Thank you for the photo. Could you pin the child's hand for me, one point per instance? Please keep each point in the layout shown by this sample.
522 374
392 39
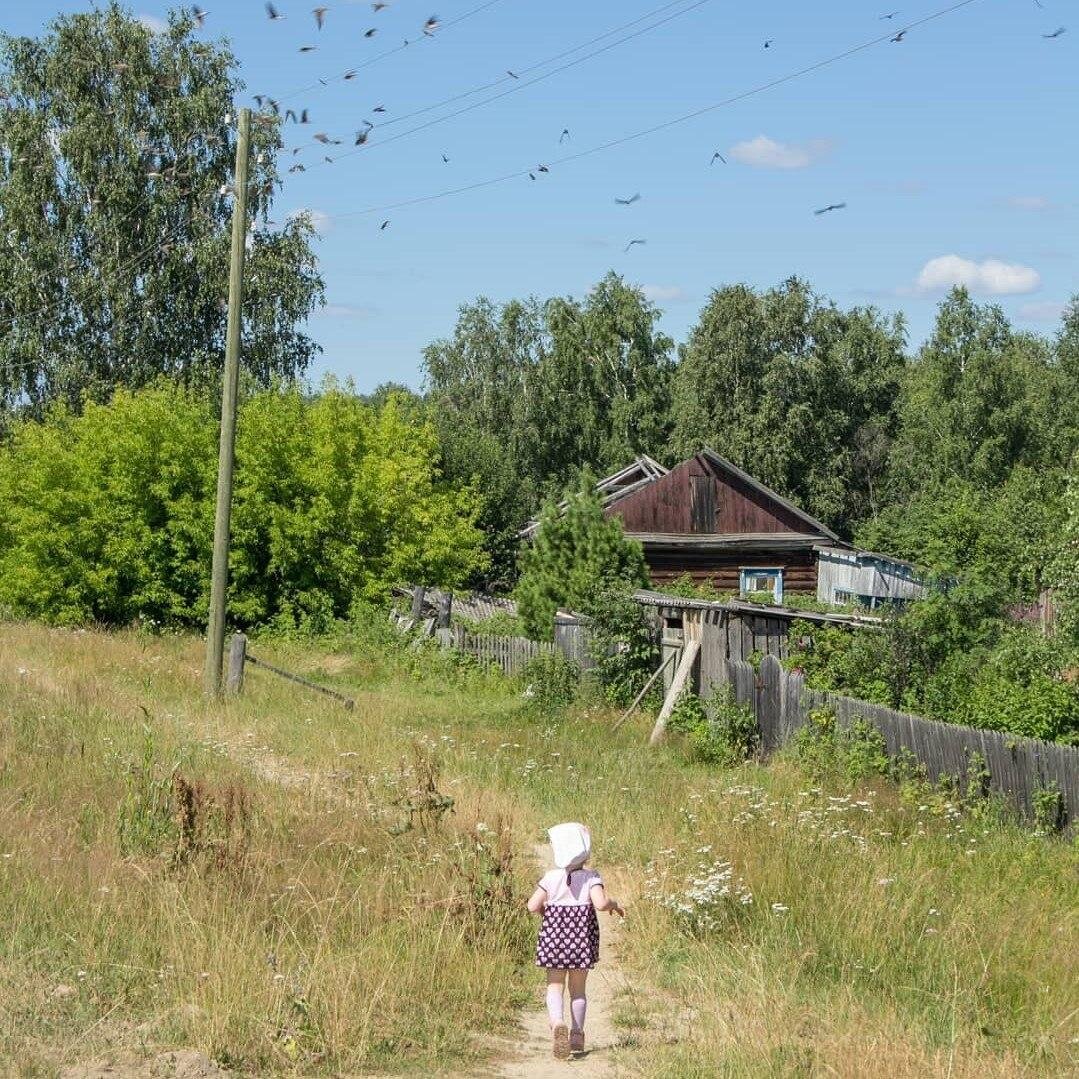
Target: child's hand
616 908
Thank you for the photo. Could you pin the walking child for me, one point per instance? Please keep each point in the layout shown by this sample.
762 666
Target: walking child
568 897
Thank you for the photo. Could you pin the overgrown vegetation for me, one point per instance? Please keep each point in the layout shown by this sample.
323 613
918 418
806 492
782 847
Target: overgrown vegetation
947 658
719 731
107 515
834 917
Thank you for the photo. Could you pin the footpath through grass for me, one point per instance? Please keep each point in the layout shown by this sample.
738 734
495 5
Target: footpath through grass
283 885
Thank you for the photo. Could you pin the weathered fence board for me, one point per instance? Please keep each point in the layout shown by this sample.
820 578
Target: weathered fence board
1018 768
510 654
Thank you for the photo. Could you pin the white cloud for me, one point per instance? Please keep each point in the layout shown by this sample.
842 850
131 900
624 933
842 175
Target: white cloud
1046 311
990 276
765 153
1030 202
662 293
320 220
152 22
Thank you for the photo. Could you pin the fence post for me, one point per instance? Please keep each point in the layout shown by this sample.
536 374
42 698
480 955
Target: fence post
417 601
445 609
234 683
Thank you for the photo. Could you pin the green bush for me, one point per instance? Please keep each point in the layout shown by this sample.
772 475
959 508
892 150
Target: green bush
829 750
623 645
108 515
720 732
552 682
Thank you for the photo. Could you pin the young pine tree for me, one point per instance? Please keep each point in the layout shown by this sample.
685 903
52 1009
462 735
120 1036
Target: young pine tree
575 554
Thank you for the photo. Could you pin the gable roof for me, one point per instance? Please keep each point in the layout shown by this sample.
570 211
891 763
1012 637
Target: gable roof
643 471
760 488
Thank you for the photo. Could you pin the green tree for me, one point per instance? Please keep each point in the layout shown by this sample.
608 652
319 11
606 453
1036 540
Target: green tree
117 152
795 391
980 400
576 554
527 394
107 515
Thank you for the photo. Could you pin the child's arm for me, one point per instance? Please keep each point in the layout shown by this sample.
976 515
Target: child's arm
602 901
538 901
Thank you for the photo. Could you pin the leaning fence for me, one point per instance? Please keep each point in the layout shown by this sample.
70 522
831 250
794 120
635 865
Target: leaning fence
1015 768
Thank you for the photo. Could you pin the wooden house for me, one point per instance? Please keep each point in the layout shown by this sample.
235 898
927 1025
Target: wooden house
708 520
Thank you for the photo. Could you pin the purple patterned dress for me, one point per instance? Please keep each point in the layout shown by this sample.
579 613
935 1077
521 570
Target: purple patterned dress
569 933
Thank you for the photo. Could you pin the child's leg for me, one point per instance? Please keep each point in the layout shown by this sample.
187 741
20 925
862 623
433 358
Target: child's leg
578 1003
556 980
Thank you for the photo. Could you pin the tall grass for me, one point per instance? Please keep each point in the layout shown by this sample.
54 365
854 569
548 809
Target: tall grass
884 936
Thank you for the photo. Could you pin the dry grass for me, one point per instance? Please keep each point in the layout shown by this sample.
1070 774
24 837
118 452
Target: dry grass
303 929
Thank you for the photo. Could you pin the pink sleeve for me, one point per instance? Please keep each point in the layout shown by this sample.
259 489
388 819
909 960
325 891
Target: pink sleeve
596 879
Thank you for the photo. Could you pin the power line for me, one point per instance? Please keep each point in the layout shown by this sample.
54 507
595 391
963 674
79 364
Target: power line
517 87
322 83
531 67
684 118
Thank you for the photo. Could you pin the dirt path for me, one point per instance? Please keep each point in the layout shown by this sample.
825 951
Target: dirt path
532 1058
527 1056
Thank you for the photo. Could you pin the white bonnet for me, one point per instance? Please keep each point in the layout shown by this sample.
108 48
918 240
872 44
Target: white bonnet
571 844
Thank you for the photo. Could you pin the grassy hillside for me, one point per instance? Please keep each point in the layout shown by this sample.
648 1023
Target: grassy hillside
303 899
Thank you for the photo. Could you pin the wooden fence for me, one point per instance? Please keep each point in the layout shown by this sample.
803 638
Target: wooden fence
509 653
1018 767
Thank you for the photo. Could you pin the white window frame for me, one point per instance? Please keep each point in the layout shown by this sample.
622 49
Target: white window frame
745 572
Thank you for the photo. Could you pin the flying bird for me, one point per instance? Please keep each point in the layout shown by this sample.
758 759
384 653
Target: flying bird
272 13
328 159
628 202
198 15
361 136
370 33
308 48
379 108
445 160
768 43
563 136
349 75
831 206
304 118
1056 33
899 37
298 168
431 25
290 115
383 225
631 243
378 5
511 74
321 136
542 168
718 155
890 15
320 15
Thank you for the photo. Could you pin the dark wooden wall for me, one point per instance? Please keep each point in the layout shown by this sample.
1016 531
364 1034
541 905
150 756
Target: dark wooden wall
698 497
721 570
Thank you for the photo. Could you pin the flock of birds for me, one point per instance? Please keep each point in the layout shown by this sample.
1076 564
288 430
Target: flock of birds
428 29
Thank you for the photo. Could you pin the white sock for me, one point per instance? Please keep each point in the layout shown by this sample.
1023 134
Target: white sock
554 1004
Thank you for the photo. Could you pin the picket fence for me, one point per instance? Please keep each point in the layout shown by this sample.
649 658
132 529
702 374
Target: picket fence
508 653
1018 768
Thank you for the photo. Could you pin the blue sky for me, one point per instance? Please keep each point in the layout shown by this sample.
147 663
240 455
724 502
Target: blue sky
954 150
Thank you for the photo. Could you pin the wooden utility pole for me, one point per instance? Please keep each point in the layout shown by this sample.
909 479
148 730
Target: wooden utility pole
219 582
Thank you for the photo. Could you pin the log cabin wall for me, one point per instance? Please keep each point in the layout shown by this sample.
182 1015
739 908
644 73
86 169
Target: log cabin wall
721 571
